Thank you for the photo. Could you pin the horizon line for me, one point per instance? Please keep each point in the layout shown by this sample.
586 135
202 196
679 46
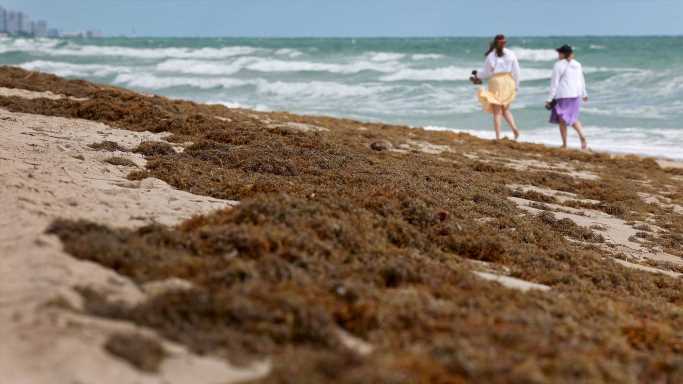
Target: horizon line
383 36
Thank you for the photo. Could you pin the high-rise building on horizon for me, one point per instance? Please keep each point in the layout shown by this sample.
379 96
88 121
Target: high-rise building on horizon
39 28
3 20
24 23
17 23
12 22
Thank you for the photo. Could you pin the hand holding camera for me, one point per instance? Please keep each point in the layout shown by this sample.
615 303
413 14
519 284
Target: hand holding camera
474 79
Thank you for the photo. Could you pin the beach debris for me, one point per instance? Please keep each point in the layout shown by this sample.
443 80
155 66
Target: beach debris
162 287
353 343
108 145
381 145
297 127
144 353
120 161
154 148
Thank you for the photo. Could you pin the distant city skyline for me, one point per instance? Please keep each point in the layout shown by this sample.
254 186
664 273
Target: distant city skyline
357 18
15 22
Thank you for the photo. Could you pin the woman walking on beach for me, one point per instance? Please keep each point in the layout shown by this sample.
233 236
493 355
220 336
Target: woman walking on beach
567 88
501 68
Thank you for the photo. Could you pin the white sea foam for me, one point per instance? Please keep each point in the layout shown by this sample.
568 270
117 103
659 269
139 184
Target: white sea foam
453 73
318 89
264 64
269 65
20 45
438 74
426 56
233 104
74 70
151 81
289 52
527 54
530 74
597 47
50 47
648 142
204 67
386 56
313 90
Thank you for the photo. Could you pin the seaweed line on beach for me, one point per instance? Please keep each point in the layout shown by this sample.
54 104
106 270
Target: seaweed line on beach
333 235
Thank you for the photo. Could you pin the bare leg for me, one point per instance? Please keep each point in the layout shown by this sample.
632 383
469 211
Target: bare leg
511 121
563 133
497 119
579 129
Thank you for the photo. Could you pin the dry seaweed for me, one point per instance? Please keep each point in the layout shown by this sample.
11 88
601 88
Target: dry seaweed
154 148
140 351
120 161
332 234
107 145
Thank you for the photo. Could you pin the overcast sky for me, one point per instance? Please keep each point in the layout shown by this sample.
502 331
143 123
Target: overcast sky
359 17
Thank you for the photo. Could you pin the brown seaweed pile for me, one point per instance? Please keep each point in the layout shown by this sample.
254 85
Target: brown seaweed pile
335 236
120 161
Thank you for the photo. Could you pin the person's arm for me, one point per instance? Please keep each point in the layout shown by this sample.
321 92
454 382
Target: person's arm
487 71
516 71
582 79
554 82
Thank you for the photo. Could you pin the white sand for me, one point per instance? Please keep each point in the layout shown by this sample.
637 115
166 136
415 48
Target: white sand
43 180
25 94
512 282
618 235
670 164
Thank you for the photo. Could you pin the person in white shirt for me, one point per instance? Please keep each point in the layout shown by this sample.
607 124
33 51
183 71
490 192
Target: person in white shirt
567 89
501 68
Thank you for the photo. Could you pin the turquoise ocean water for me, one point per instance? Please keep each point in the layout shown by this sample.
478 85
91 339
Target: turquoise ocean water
635 83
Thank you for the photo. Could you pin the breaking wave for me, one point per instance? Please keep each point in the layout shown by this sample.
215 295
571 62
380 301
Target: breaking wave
527 54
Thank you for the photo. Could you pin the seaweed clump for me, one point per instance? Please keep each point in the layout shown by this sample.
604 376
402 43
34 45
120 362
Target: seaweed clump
120 161
108 145
154 148
140 351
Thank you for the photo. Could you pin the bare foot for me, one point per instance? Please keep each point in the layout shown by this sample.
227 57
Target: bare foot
516 132
584 144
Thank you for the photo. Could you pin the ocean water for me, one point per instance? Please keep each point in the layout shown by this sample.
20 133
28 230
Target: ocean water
635 83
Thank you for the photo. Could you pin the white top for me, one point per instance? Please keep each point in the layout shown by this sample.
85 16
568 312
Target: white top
495 65
567 80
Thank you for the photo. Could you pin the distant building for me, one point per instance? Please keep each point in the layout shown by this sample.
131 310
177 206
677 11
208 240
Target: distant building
53 33
12 22
24 24
93 34
77 35
39 28
3 20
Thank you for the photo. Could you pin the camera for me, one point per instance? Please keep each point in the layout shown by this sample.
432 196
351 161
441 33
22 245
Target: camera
474 79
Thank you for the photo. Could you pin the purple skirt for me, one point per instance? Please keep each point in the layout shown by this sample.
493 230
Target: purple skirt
566 110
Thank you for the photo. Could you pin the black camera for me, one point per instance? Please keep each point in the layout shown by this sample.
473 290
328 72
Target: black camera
474 79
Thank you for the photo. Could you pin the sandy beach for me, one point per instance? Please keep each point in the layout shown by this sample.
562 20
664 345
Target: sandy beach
149 240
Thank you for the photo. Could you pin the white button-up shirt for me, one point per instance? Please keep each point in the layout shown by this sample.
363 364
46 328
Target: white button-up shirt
495 65
567 80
